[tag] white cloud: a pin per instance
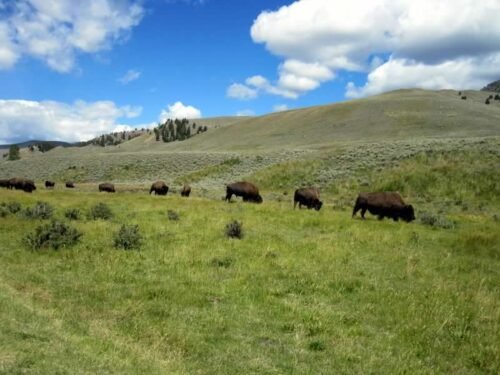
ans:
(21, 120)
(130, 76)
(242, 92)
(56, 31)
(179, 111)
(401, 73)
(316, 38)
(245, 112)
(280, 108)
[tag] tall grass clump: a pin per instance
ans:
(128, 237)
(172, 215)
(41, 210)
(234, 229)
(3, 210)
(100, 211)
(53, 235)
(436, 221)
(73, 214)
(13, 207)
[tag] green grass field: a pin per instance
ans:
(303, 292)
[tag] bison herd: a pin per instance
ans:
(380, 204)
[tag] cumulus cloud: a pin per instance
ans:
(396, 42)
(130, 76)
(179, 111)
(245, 112)
(56, 31)
(280, 108)
(240, 91)
(49, 120)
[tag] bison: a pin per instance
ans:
(49, 184)
(5, 184)
(384, 204)
(159, 188)
(107, 187)
(186, 190)
(70, 184)
(248, 191)
(24, 184)
(308, 197)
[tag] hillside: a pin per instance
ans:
(396, 115)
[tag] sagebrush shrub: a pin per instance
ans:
(234, 229)
(41, 210)
(100, 211)
(436, 221)
(72, 214)
(128, 237)
(14, 207)
(53, 235)
(3, 211)
(172, 215)
(223, 262)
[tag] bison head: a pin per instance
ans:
(408, 214)
(317, 205)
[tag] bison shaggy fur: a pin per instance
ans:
(384, 204)
(186, 190)
(248, 191)
(308, 197)
(107, 187)
(159, 188)
(49, 184)
(5, 184)
(24, 184)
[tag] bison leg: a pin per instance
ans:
(363, 211)
(229, 194)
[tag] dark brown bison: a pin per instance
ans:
(70, 184)
(107, 187)
(159, 188)
(5, 184)
(186, 190)
(248, 191)
(308, 197)
(24, 184)
(384, 204)
(49, 184)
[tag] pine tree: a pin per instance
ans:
(14, 153)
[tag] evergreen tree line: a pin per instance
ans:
(113, 139)
(177, 130)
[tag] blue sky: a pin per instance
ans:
(70, 71)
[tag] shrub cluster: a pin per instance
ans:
(13, 207)
(72, 214)
(100, 211)
(53, 235)
(41, 210)
(128, 237)
(234, 229)
(172, 215)
(436, 221)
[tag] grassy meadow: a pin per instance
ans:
(302, 292)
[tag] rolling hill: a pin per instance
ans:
(396, 115)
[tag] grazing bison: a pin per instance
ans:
(159, 188)
(5, 184)
(107, 187)
(384, 204)
(49, 184)
(248, 191)
(186, 190)
(70, 184)
(24, 184)
(308, 197)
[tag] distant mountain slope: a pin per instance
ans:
(402, 114)
(34, 142)
(493, 86)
